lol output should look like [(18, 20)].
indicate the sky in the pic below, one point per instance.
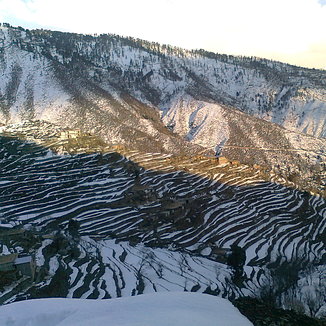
[(292, 31)]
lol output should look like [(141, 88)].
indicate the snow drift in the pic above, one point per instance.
[(160, 309)]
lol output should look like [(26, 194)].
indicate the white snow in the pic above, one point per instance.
[(200, 122), (159, 309)]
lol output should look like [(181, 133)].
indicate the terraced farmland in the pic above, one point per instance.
[(180, 216)]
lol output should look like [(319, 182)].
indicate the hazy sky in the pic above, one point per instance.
[(293, 31)]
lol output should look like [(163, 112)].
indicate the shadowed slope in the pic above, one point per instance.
[(192, 206)]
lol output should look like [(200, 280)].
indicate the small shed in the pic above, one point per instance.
[(220, 254)]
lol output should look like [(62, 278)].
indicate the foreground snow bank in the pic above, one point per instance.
[(159, 309)]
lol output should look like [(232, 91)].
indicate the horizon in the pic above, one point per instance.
[(292, 32)]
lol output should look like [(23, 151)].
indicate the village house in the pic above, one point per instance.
[(140, 194), (70, 134), (173, 209), (218, 254), (23, 263), (235, 163), (7, 262), (222, 160), (9, 232)]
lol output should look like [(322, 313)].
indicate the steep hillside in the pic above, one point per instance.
[(36, 86), (241, 137), (104, 225), (157, 98), (76, 78)]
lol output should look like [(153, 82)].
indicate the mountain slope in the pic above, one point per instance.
[(162, 99), (36, 86), (154, 74), (249, 140)]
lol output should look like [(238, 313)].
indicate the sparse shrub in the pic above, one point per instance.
[(236, 260)]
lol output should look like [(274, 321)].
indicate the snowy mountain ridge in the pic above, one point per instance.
[(157, 98), (157, 75)]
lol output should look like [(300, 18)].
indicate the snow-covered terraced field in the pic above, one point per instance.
[(106, 269), (188, 207)]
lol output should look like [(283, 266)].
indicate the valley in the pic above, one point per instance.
[(150, 222)]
